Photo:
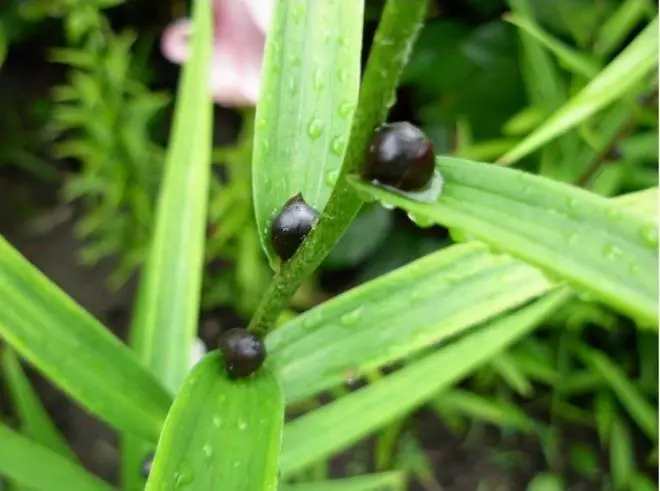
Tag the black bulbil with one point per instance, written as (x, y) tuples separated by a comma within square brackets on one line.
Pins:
[(242, 351), (290, 227), (400, 155)]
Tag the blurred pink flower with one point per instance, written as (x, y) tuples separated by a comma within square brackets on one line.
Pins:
[(239, 36)]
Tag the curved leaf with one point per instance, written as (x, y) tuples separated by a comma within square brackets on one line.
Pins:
[(350, 418), (638, 60), (400, 313), (34, 420), (40, 469), (75, 351), (310, 88), (221, 433), (595, 244)]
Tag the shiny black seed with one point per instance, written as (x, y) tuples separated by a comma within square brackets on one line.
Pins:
[(147, 464), (242, 351), (400, 155), (289, 229)]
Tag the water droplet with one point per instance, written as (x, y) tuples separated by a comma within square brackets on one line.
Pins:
[(421, 220), (265, 147), (387, 206), (237, 464), (183, 476), (298, 12), (351, 318), (208, 450), (262, 124), (613, 213), (318, 79), (315, 128), (242, 425), (293, 85), (342, 75), (338, 145), (217, 422), (572, 202), (345, 109), (612, 251), (649, 235), (428, 194), (331, 177)]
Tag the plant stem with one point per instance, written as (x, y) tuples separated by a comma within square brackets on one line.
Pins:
[(396, 34)]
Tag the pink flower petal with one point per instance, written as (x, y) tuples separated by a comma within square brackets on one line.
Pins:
[(174, 44)]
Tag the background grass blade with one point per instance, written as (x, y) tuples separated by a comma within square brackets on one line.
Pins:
[(165, 321), (637, 406), (38, 468), (221, 434), (385, 481), (348, 419), (628, 69), (164, 324), (34, 420), (594, 244), (304, 116), (572, 59), (620, 24), (75, 351), (398, 314)]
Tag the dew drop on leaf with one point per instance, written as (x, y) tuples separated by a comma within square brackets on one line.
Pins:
[(420, 220), (331, 177), (351, 318), (315, 129), (345, 109), (428, 194), (242, 425), (338, 144), (649, 235), (612, 252), (208, 450)]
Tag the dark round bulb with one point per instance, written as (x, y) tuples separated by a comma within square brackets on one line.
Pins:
[(147, 464), (291, 226), (400, 155), (242, 351)]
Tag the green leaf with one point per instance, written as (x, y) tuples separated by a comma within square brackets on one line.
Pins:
[(643, 202), (38, 468), (616, 80), (546, 482), (165, 322), (34, 420), (75, 351), (221, 433), (506, 367), (496, 412), (595, 245), (622, 455), (637, 406), (385, 481), (571, 58), (354, 416), (310, 88), (620, 24), (396, 315)]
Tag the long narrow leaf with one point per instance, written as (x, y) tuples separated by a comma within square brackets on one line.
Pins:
[(75, 351), (34, 420), (385, 481), (596, 245), (352, 417), (311, 75), (165, 320), (637, 61), (398, 314), (221, 434), (38, 468)]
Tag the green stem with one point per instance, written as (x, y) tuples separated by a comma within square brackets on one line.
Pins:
[(396, 34)]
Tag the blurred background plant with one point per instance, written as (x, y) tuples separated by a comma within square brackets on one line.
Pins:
[(573, 406)]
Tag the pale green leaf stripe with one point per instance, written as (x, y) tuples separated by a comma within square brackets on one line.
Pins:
[(384, 481), (311, 76), (643, 413), (165, 321), (72, 349), (574, 60), (354, 416), (643, 202), (34, 420), (221, 434), (38, 468), (385, 320), (637, 61), (596, 245)]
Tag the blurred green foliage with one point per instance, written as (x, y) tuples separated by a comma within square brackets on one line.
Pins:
[(584, 388)]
